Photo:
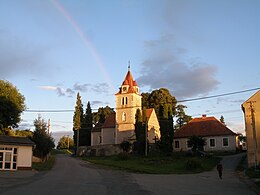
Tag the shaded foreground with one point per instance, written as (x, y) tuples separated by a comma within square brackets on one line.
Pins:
[(74, 176), (175, 164)]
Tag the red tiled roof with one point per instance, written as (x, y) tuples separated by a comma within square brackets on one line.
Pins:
[(110, 121), (130, 82), (149, 112), (203, 126)]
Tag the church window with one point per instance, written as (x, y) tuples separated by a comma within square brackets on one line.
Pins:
[(126, 100), (123, 101), (124, 116)]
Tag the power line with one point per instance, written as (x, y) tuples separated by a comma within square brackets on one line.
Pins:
[(220, 95), (185, 100)]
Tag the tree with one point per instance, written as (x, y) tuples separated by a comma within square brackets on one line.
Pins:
[(23, 133), (197, 143), (77, 120), (222, 120), (87, 124), (181, 116), (12, 104), (140, 128), (65, 142), (159, 97), (101, 115), (166, 129), (44, 142)]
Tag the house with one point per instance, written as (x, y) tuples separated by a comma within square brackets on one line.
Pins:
[(15, 153), (218, 137), (251, 109), (120, 126)]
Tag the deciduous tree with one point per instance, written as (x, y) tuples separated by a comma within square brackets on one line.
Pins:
[(65, 142), (101, 115), (12, 104)]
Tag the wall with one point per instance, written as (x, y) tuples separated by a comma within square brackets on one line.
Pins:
[(218, 144), (95, 138), (99, 150), (24, 157), (108, 135), (255, 103)]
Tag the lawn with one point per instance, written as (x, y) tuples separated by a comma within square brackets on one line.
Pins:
[(175, 164)]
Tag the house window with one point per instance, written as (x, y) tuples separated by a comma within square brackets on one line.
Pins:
[(124, 117), (225, 142), (177, 144), (189, 145), (212, 142), (100, 139)]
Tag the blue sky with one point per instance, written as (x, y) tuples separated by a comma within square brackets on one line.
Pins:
[(51, 50)]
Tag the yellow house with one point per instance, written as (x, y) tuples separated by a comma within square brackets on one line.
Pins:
[(15, 153), (120, 126), (251, 109)]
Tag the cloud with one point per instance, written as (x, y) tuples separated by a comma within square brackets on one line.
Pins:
[(100, 88), (70, 92), (81, 87), (51, 88), (164, 66)]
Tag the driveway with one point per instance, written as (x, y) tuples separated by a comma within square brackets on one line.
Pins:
[(73, 176)]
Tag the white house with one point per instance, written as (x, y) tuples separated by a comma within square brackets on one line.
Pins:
[(16, 153), (217, 135)]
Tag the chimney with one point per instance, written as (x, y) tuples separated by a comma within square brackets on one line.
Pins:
[(204, 116)]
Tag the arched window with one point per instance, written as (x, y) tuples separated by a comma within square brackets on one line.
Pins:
[(126, 100), (124, 117), (123, 101)]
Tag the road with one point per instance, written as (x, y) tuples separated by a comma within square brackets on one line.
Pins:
[(73, 176)]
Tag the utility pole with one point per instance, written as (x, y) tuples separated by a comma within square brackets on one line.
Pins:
[(49, 126), (254, 130), (77, 141), (146, 136)]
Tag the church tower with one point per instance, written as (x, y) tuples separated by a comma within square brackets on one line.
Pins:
[(128, 100)]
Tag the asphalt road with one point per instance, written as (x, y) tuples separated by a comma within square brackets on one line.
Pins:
[(73, 176)]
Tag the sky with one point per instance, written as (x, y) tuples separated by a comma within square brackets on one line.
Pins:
[(51, 50)]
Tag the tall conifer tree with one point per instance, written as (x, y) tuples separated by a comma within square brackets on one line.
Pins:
[(77, 119)]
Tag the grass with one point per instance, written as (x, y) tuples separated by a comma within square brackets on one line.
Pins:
[(44, 166), (175, 164)]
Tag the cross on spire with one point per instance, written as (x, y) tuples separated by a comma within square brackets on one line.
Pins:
[(128, 65)]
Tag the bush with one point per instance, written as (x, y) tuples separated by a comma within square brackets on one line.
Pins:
[(123, 156), (193, 164), (125, 146)]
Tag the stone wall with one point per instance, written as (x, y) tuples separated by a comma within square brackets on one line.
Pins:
[(100, 150)]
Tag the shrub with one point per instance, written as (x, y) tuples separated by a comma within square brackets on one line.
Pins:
[(125, 146), (193, 164), (123, 156)]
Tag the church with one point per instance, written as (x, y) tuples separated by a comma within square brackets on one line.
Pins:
[(120, 126)]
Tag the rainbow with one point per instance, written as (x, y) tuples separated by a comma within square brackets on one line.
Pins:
[(85, 40)]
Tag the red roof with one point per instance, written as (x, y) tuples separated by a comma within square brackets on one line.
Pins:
[(110, 121), (203, 126), (130, 82), (149, 112)]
